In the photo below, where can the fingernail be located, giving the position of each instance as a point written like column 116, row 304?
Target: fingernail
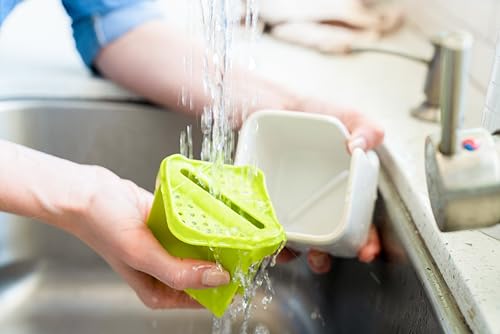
column 215, row 277
column 359, row 142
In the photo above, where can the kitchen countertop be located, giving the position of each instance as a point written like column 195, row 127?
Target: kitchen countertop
column 38, row 59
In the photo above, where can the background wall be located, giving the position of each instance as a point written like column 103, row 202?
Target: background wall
column 480, row 17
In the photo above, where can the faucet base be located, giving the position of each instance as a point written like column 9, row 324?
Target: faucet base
column 427, row 112
column 464, row 189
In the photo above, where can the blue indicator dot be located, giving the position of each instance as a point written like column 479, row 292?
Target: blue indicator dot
column 470, row 144
column 469, row 147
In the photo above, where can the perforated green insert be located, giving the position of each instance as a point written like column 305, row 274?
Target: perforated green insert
column 237, row 226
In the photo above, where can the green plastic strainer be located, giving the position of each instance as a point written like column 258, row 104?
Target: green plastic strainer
column 237, row 227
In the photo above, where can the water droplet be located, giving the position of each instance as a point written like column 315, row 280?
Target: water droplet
column 266, row 300
column 261, row 329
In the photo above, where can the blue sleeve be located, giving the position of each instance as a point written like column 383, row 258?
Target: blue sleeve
column 6, row 6
column 98, row 23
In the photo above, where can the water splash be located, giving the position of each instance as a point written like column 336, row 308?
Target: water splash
column 252, row 33
column 261, row 329
column 186, row 92
column 243, row 306
column 316, row 316
column 186, row 142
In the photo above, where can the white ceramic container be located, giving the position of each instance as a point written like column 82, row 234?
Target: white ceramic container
column 323, row 196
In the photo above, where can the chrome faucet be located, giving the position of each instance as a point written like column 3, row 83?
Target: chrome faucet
column 491, row 112
column 463, row 165
column 429, row 109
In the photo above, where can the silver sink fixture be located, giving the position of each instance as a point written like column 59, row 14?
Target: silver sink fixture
column 429, row 109
column 463, row 165
column 74, row 291
column 491, row 112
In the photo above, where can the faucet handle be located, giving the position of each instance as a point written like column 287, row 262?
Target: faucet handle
column 454, row 59
column 446, row 44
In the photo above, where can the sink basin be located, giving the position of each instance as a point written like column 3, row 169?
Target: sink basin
column 55, row 284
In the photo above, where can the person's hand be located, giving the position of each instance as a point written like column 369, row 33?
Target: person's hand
column 320, row 262
column 364, row 134
column 109, row 214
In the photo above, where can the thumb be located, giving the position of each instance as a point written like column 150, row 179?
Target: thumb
column 177, row 273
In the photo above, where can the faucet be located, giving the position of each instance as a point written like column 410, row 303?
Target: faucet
column 462, row 165
column 491, row 112
column 429, row 109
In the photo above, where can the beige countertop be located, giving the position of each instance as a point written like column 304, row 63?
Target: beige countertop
column 38, row 59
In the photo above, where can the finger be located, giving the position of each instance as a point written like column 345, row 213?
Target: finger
column 153, row 293
column 319, row 262
column 151, row 258
column 287, row 255
column 371, row 248
column 365, row 136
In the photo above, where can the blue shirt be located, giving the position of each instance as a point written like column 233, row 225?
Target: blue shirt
column 96, row 23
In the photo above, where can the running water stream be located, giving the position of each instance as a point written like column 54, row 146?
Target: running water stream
column 221, row 23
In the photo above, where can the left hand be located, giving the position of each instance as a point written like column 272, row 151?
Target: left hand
column 364, row 134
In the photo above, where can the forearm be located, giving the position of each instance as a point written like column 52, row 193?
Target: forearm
column 150, row 61
column 38, row 185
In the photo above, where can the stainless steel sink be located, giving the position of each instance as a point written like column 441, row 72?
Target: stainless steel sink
column 51, row 283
